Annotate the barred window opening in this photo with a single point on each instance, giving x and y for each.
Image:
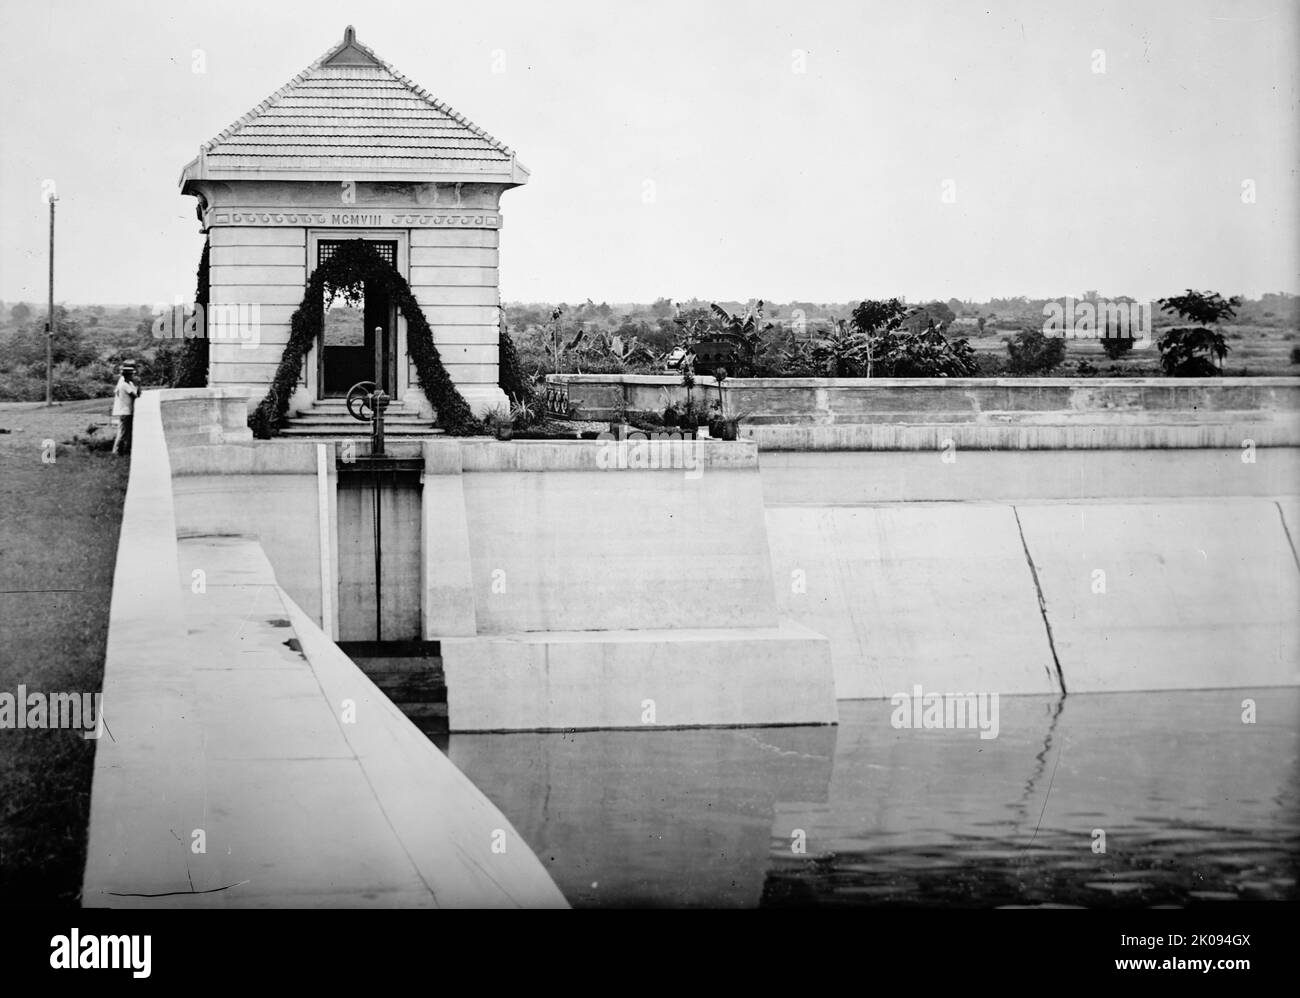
(326, 248)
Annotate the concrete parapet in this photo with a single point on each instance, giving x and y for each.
(1004, 413)
(204, 416)
(830, 478)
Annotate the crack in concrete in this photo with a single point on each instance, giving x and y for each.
(1042, 603)
(1287, 530)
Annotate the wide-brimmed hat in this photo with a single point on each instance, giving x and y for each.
(127, 366)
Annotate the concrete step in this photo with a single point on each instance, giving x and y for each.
(361, 431)
(406, 690)
(310, 419)
(407, 686)
(405, 678)
(342, 410)
(410, 674)
(426, 714)
(341, 405)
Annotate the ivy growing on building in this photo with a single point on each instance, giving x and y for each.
(510, 374)
(192, 366)
(353, 262)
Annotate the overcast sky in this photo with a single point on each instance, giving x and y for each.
(784, 149)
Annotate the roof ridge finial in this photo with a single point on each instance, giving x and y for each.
(349, 35)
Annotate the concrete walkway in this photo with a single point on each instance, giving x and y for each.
(248, 763)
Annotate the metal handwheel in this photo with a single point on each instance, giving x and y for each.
(359, 396)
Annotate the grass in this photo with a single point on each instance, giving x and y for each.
(58, 532)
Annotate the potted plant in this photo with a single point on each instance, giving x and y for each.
(729, 427)
(523, 413)
(672, 414)
(714, 421)
(618, 418)
(721, 425)
(501, 423)
(689, 417)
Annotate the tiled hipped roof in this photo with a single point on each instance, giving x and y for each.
(350, 114)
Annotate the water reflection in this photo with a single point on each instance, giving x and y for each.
(1195, 806)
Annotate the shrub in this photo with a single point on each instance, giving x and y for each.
(1190, 353)
(1295, 355)
(19, 386)
(1116, 347)
(990, 365)
(91, 442)
(844, 352)
(903, 353)
(1032, 352)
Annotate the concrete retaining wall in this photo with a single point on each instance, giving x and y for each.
(572, 582)
(611, 585)
(594, 550)
(1098, 571)
(265, 493)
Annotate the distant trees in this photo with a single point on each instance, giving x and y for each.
(26, 347)
(20, 313)
(936, 313)
(78, 370)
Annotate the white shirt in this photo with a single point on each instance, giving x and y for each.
(124, 397)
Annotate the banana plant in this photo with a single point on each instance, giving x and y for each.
(744, 330)
(623, 351)
(556, 348)
(843, 351)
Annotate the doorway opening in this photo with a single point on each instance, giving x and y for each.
(359, 333)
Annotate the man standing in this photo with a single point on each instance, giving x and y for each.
(124, 408)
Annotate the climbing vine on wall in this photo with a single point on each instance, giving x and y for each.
(353, 262)
(510, 375)
(192, 365)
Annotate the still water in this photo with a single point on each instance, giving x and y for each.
(1196, 806)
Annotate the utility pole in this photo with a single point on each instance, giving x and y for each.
(49, 324)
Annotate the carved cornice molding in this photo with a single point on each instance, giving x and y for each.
(365, 219)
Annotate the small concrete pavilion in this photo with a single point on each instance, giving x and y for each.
(350, 148)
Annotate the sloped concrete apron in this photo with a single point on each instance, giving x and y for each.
(246, 762)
